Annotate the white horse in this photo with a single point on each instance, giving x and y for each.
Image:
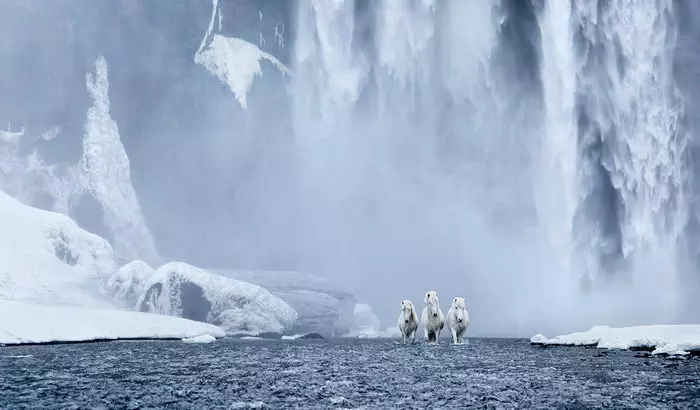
(433, 320)
(457, 319)
(408, 321)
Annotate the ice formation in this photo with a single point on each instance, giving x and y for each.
(322, 307)
(668, 339)
(240, 308)
(107, 175)
(233, 61)
(128, 283)
(199, 339)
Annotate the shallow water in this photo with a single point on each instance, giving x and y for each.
(486, 373)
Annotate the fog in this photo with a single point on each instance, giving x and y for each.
(535, 158)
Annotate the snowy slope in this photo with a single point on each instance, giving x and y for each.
(46, 257)
(669, 339)
(33, 323)
(183, 290)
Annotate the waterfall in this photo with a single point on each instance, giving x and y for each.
(424, 135)
(614, 133)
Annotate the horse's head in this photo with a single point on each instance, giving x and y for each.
(459, 307)
(406, 310)
(431, 300)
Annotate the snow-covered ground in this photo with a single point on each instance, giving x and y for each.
(22, 322)
(668, 339)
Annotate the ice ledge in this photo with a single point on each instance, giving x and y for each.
(27, 323)
(660, 339)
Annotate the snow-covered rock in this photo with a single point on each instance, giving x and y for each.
(199, 339)
(233, 61)
(22, 322)
(240, 308)
(106, 174)
(668, 339)
(322, 306)
(128, 283)
(45, 257)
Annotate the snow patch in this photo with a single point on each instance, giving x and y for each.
(240, 308)
(199, 339)
(668, 339)
(22, 322)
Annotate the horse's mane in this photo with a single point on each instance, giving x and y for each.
(414, 315)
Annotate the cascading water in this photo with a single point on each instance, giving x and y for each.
(627, 144)
(425, 151)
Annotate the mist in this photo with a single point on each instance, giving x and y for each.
(479, 149)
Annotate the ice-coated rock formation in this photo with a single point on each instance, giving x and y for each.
(103, 172)
(233, 61)
(322, 307)
(128, 283)
(106, 174)
(240, 308)
(45, 257)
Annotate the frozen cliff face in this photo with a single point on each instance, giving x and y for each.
(240, 308)
(103, 173)
(322, 306)
(128, 283)
(45, 257)
(106, 174)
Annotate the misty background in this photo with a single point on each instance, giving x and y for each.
(537, 158)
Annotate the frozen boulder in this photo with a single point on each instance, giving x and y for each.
(128, 283)
(46, 257)
(322, 306)
(240, 308)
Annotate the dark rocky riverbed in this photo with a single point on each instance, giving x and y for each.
(486, 373)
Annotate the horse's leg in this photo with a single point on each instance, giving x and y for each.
(455, 337)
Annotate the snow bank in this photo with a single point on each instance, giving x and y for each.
(240, 308)
(668, 339)
(199, 339)
(45, 257)
(31, 323)
(128, 283)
